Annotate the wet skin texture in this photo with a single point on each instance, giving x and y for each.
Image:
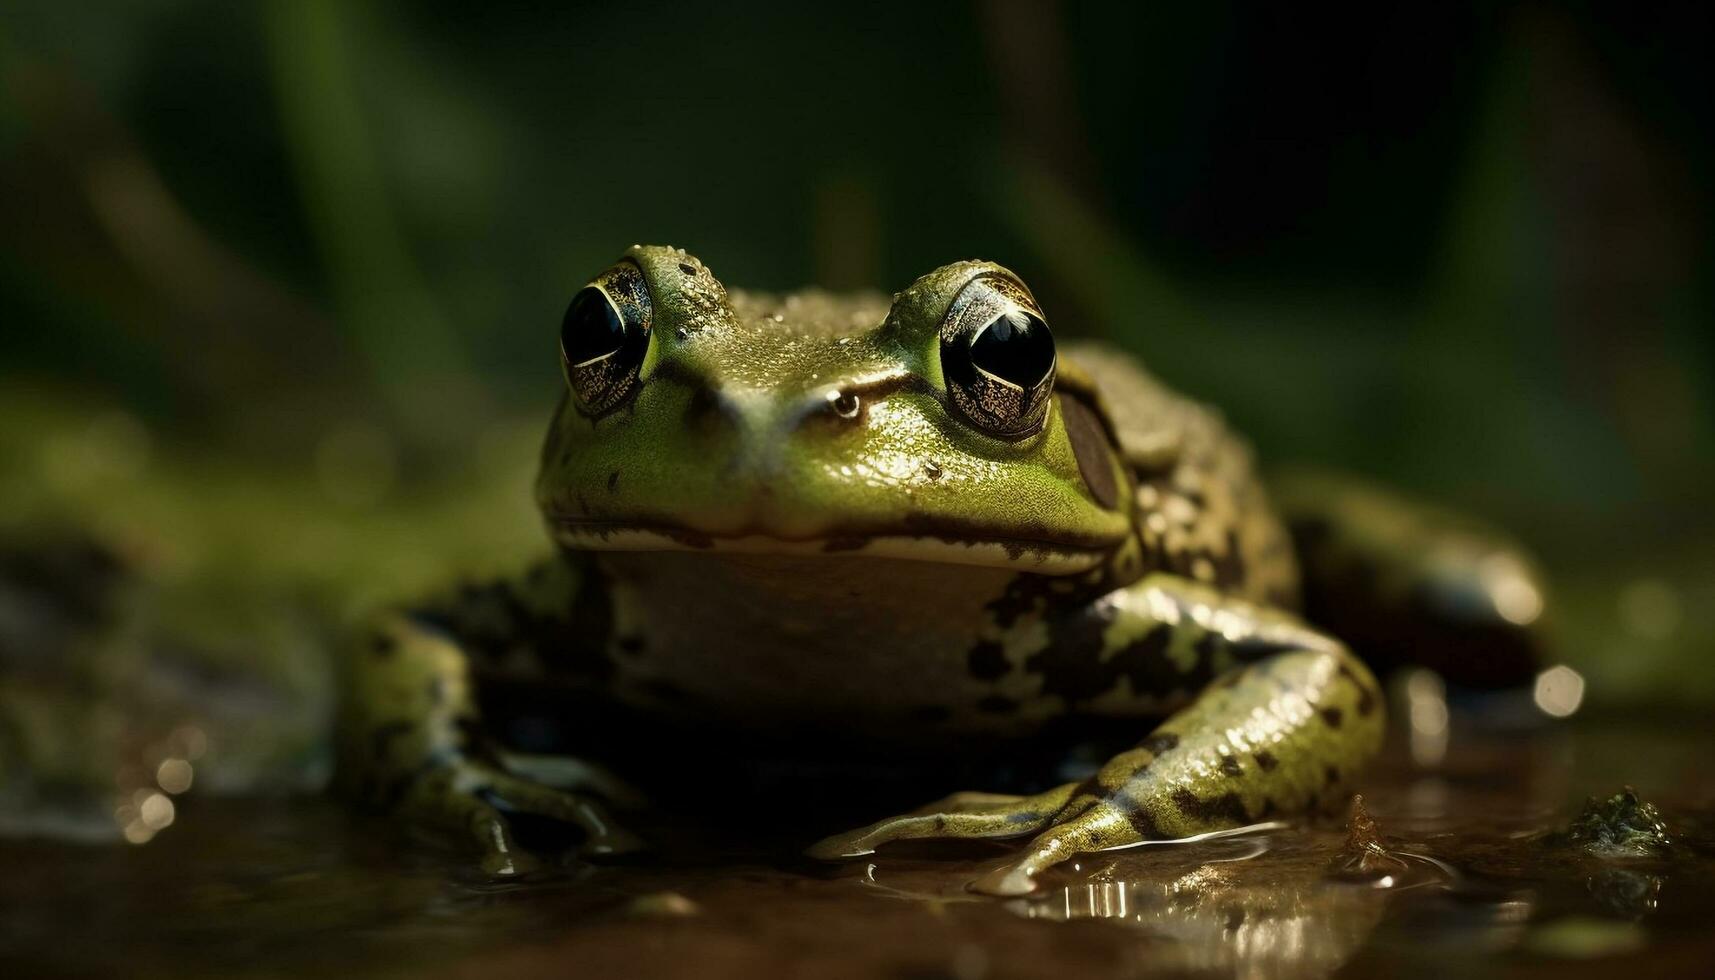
(913, 521)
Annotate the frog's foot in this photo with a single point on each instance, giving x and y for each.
(476, 797)
(1281, 735)
(1097, 828)
(985, 816)
(1078, 823)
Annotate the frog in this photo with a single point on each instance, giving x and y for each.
(912, 519)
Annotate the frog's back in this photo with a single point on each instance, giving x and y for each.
(1201, 509)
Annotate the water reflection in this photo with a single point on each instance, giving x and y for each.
(1218, 921)
(1304, 914)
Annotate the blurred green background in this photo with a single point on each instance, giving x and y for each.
(280, 281)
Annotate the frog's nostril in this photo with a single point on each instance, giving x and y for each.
(845, 404)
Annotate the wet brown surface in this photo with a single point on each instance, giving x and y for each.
(1462, 884)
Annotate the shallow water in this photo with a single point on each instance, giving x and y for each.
(266, 887)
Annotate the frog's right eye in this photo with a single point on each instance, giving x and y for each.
(997, 356)
(604, 336)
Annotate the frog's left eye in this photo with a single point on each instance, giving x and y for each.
(998, 357)
(604, 336)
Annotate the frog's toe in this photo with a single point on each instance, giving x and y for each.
(602, 834)
(1099, 827)
(963, 815)
(482, 800)
(501, 854)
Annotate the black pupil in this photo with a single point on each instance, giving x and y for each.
(1015, 347)
(592, 327)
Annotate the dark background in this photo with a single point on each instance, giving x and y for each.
(1463, 248)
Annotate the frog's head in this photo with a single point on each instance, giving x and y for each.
(927, 427)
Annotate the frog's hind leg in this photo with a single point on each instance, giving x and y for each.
(1407, 583)
(968, 815)
(1289, 720)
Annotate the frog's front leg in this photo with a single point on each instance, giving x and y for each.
(411, 741)
(1289, 719)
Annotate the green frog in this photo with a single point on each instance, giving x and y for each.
(914, 520)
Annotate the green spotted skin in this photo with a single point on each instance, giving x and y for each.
(789, 525)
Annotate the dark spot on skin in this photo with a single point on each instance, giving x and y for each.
(1077, 808)
(1143, 824)
(687, 268)
(629, 645)
(1332, 774)
(845, 542)
(1073, 668)
(1226, 808)
(1094, 451)
(613, 481)
(382, 646)
(1366, 700)
(1366, 697)
(1333, 716)
(1159, 743)
(508, 639)
(931, 714)
(1025, 593)
(1266, 760)
(1231, 767)
(932, 470)
(996, 704)
(1228, 564)
(987, 661)
(1269, 808)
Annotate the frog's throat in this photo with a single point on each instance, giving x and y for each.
(1048, 558)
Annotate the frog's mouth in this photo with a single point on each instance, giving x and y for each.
(955, 545)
